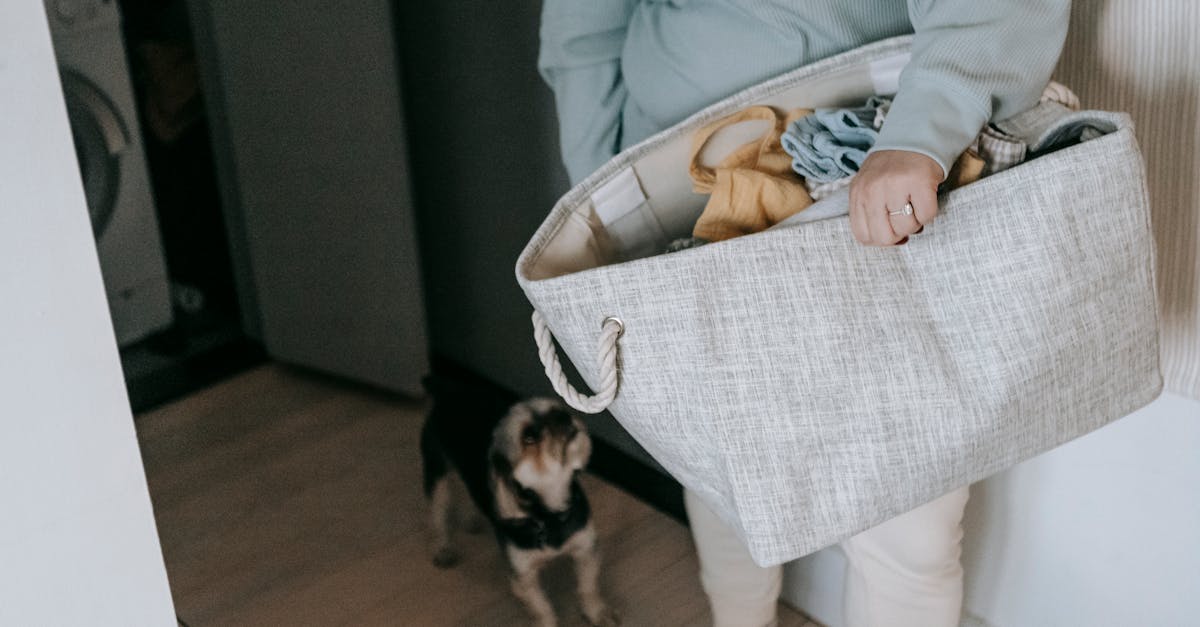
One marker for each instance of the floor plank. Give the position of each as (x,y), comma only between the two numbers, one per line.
(285,498)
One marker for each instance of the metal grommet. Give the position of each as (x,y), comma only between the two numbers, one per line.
(620,325)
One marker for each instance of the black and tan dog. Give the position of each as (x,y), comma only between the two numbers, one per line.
(519,464)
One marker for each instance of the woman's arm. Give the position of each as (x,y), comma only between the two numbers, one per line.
(580,59)
(971,61)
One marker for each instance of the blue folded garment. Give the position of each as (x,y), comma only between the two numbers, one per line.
(831,144)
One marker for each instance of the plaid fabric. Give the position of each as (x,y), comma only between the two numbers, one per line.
(999,150)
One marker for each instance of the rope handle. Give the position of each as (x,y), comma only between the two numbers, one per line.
(611,330)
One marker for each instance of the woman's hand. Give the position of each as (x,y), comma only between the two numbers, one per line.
(888,180)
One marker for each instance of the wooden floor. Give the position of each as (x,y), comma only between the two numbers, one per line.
(283,498)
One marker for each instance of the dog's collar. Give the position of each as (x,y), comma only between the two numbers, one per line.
(543,527)
(527,496)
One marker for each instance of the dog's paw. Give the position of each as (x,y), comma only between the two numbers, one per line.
(603,616)
(446,557)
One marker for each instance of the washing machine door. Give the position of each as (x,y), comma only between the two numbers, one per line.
(100,139)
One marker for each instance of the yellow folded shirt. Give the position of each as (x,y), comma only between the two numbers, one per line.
(754,187)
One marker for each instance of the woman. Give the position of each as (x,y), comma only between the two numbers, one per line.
(622,70)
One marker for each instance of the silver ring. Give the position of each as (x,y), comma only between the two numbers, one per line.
(906,211)
(620,325)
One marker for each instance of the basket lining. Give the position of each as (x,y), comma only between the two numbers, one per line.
(583,240)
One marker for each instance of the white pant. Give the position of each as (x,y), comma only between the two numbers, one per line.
(902,573)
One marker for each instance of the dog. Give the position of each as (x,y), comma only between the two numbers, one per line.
(520,465)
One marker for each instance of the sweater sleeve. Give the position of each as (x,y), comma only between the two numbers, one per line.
(971,62)
(580,59)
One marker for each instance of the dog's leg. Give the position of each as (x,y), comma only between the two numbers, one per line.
(434,466)
(444,554)
(587,575)
(525,585)
(474,521)
(437,488)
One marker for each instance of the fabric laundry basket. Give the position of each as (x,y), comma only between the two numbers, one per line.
(808,387)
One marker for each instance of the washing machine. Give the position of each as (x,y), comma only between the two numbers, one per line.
(100,104)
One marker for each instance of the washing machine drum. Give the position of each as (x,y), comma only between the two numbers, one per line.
(100,139)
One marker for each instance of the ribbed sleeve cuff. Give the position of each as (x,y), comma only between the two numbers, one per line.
(932,117)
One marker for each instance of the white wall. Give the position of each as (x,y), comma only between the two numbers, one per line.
(78,544)
(1104,531)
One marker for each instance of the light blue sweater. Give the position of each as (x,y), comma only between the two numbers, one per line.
(622,70)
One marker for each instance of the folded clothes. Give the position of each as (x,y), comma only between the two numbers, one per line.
(998,149)
(1001,150)
(968,168)
(831,144)
(1057,92)
(754,186)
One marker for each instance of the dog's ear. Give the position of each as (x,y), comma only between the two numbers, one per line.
(580,450)
(497,452)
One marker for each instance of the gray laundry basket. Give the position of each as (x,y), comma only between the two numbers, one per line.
(783,376)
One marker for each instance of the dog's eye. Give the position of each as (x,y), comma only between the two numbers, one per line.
(529,435)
